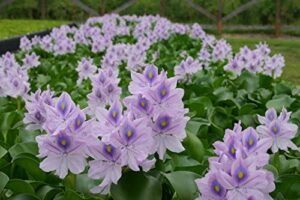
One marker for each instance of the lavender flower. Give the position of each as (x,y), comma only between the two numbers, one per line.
(277,130)
(168,133)
(237,172)
(36,111)
(86,69)
(106,165)
(31,60)
(134,141)
(62,152)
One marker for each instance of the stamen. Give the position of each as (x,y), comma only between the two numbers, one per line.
(62,106)
(114,114)
(240,174)
(217,188)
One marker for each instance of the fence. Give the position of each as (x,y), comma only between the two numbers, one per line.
(218,19)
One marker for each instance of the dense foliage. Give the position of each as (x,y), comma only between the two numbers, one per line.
(53,77)
(177,10)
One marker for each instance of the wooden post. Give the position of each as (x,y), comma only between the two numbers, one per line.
(43,9)
(102,7)
(277,19)
(220,10)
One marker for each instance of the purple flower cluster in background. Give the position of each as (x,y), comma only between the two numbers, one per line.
(277,131)
(238,171)
(105,89)
(256,61)
(86,69)
(114,137)
(147,30)
(14,78)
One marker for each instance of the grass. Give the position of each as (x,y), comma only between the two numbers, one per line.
(289,47)
(10,28)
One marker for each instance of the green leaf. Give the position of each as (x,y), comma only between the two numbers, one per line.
(70,194)
(280,101)
(84,183)
(193,146)
(19,186)
(184,184)
(25,147)
(2,152)
(24,197)
(30,164)
(137,186)
(47,192)
(289,186)
(223,93)
(3,181)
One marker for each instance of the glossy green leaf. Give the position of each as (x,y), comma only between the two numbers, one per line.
(19,186)
(2,151)
(137,186)
(184,184)
(3,181)
(25,147)
(24,197)
(30,164)
(193,146)
(289,186)
(280,101)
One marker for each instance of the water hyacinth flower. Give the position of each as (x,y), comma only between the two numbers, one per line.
(186,69)
(168,132)
(237,172)
(58,116)
(86,69)
(277,130)
(165,97)
(109,120)
(145,81)
(62,152)
(31,60)
(25,43)
(134,140)
(105,89)
(14,79)
(36,111)
(106,165)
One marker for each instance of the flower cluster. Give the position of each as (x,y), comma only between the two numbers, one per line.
(105,89)
(64,146)
(277,131)
(256,61)
(14,78)
(86,69)
(237,172)
(187,68)
(114,137)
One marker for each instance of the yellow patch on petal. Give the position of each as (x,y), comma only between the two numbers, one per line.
(114,114)
(250,142)
(163,123)
(163,92)
(150,75)
(240,174)
(217,188)
(142,103)
(232,150)
(129,133)
(62,106)
(108,148)
(78,122)
(63,142)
